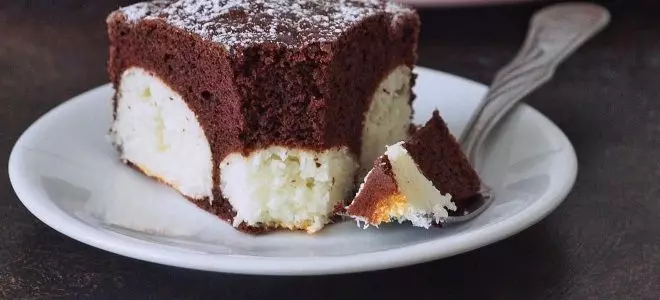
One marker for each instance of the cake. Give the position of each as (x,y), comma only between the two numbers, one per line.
(421,180)
(264,113)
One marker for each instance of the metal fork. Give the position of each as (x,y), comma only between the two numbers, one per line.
(555,32)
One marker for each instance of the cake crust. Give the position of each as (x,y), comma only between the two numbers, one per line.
(440,158)
(374,195)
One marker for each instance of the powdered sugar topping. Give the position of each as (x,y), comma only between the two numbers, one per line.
(241,23)
(143,10)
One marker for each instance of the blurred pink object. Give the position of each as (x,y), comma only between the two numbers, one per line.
(429,3)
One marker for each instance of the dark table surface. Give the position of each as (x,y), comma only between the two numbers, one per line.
(603,242)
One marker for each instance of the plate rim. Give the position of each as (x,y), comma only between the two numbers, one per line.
(239,264)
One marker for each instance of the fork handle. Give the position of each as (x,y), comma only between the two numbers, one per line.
(555,32)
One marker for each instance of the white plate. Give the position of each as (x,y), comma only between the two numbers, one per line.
(67,174)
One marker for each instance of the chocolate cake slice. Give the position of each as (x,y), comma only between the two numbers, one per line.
(261,112)
(421,180)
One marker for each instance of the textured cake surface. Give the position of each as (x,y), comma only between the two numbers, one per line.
(388,118)
(287,188)
(244,23)
(305,77)
(421,180)
(155,134)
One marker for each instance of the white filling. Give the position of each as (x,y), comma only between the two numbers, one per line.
(425,203)
(388,118)
(161,135)
(276,186)
(289,188)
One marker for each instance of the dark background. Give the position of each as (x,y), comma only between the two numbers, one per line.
(603,242)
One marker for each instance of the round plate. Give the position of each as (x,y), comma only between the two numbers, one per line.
(67,174)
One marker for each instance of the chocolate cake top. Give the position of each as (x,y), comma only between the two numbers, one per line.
(242,23)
